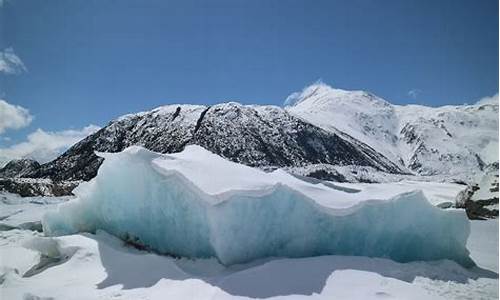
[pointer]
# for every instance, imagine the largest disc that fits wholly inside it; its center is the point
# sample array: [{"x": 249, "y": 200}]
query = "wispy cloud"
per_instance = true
[
  {"x": 13, "y": 116},
  {"x": 40, "y": 145},
  {"x": 414, "y": 93},
  {"x": 307, "y": 91},
  {"x": 44, "y": 146},
  {"x": 2, "y": 2},
  {"x": 488, "y": 100},
  {"x": 10, "y": 63}
]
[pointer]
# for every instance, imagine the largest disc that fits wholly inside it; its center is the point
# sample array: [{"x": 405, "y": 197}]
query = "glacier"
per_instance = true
[{"x": 196, "y": 204}]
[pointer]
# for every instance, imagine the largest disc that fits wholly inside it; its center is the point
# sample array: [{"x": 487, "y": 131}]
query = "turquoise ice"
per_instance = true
[{"x": 196, "y": 204}]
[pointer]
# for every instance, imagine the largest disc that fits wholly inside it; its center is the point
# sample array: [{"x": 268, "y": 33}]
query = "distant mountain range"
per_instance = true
[{"x": 322, "y": 132}]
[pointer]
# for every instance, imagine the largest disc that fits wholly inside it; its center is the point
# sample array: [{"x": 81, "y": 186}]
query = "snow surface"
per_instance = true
[
  {"x": 102, "y": 267},
  {"x": 21, "y": 211},
  {"x": 484, "y": 235},
  {"x": 196, "y": 204}
]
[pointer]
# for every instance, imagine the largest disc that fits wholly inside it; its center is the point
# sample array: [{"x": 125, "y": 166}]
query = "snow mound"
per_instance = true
[{"x": 196, "y": 204}]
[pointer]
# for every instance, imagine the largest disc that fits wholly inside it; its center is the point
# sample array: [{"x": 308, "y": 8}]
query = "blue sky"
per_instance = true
[{"x": 90, "y": 61}]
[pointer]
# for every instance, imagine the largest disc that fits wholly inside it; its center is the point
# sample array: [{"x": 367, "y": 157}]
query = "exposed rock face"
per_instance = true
[
  {"x": 11, "y": 180},
  {"x": 481, "y": 200},
  {"x": 258, "y": 136},
  {"x": 27, "y": 187},
  {"x": 19, "y": 168}
]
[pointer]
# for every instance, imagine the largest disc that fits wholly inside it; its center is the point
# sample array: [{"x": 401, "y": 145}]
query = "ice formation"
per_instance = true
[{"x": 196, "y": 204}]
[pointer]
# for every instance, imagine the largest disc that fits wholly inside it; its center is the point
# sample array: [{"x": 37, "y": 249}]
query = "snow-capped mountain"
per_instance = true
[
  {"x": 322, "y": 132},
  {"x": 259, "y": 136},
  {"x": 455, "y": 141}
]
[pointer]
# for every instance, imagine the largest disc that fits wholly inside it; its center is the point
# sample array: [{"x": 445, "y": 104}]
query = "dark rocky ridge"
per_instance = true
[
  {"x": 19, "y": 168},
  {"x": 258, "y": 136},
  {"x": 28, "y": 187},
  {"x": 479, "y": 204}
]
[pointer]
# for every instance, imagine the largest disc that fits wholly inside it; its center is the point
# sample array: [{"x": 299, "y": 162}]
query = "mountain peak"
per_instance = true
[{"x": 322, "y": 93}]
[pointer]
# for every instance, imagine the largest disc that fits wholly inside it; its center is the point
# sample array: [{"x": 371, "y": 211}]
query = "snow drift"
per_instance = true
[{"x": 196, "y": 204}]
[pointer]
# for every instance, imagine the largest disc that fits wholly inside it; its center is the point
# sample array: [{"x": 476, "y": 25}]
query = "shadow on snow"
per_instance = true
[{"x": 132, "y": 268}]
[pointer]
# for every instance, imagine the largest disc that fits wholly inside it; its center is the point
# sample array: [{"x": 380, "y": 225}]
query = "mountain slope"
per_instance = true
[
  {"x": 453, "y": 141},
  {"x": 258, "y": 136},
  {"x": 359, "y": 114}
]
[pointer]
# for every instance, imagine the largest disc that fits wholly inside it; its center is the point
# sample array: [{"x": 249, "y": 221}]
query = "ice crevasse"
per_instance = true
[{"x": 197, "y": 204}]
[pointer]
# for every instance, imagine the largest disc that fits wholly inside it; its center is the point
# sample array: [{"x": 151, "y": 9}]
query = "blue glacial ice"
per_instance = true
[{"x": 196, "y": 204}]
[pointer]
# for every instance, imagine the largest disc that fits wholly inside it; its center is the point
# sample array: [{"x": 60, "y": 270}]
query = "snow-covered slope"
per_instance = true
[
  {"x": 197, "y": 204},
  {"x": 448, "y": 140},
  {"x": 361, "y": 115}
]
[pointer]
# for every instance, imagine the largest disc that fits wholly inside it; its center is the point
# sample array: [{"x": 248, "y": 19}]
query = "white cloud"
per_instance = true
[
  {"x": 488, "y": 100},
  {"x": 44, "y": 146},
  {"x": 292, "y": 99},
  {"x": 10, "y": 63},
  {"x": 40, "y": 145},
  {"x": 13, "y": 116},
  {"x": 414, "y": 93}
]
